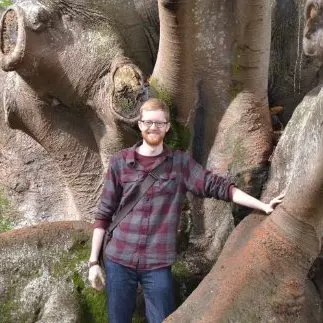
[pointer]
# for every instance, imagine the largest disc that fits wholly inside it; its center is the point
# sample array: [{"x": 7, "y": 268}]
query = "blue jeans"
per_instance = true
[{"x": 121, "y": 286}]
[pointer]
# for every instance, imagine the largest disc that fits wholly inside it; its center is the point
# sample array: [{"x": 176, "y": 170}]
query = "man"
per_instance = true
[{"x": 142, "y": 248}]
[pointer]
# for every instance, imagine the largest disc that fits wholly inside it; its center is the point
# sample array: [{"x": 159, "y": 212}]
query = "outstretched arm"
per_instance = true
[{"x": 245, "y": 199}]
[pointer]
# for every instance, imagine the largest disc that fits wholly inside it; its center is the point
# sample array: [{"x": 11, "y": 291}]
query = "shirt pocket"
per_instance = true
[
  {"x": 167, "y": 183},
  {"x": 129, "y": 182}
]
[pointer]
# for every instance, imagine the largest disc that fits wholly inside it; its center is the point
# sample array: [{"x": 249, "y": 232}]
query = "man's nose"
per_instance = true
[{"x": 153, "y": 126}]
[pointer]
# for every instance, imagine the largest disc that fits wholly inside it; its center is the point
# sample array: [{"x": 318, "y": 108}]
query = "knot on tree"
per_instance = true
[
  {"x": 12, "y": 38},
  {"x": 129, "y": 90}
]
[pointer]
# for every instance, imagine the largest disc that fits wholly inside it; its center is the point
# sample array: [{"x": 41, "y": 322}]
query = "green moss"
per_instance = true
[
  {"x": 235, "y": 89},
  {"x": 179, "y": 136},
  {"x": 126, "y": 104},
  {"x": 236, "y": 85},
  {"x": 7, "y": 306},
  {"x": 180, "y": 270},
  {"x": 93, "y": 303},
  {"x": 69, "y": 261},
  {"x": 10, "y": 304},
  {"x": 5, "y": 225},
  {"x": 5, "y": 3},
  {"x": 238, "y": 151},
  {"x": 235, "y": 62},
  {"x": 184, "y": 281},
  {"x": 5, "y": 210}
]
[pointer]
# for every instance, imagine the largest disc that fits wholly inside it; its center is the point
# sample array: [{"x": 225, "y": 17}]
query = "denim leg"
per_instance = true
[
  {"x": 157, "y": 285},
  {"x": 121, "y": 287}
]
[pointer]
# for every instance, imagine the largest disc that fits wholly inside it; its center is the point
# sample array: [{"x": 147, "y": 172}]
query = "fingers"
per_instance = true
[
  {"x": 96, "y": 277},
  {"x": 98, "y": 285},
  {"x": 102, "y": 277},
  {"x": 281, "y": 196},
  {"x": 102, "y": 280},
  {"x": 269, "y": 209},
  {"x": 278, "y": 199},
  {"x": 275, "y": 201}
]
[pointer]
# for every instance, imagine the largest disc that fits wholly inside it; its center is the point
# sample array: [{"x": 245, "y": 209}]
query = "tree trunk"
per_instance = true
[
  {"x": 233, "y": 134},
  {"x": 261, "y": 274},
  {"x": 79, "y": 82},
  {"x": 173, "y": 71}
]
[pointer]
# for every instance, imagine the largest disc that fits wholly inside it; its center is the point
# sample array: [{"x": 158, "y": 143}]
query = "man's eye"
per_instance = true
[
  {"x": 159, "y": 124},
  {"x": 147, "y": 123}
]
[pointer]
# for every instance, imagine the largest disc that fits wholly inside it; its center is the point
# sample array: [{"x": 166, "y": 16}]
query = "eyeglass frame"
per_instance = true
[{"x": 158, "y": 124}]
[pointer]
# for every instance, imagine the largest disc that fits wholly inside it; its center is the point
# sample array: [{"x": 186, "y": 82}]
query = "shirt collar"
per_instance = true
[{"x": 130, "y": 158}]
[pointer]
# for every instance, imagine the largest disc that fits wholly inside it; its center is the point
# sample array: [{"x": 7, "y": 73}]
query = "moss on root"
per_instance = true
[
  {"x": 92, "y": 302},
  {"x": 236, "y": 85},
  {"x": 185, "y": 281},
  {"x": 5, "y": 211},
  {"x": 10, "y": 304},
  {"x": 7, "y": 306},
  {"x": 179, "y": 136}
]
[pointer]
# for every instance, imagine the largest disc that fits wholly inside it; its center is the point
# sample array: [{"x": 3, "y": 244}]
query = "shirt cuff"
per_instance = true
[
  {"x": 230, "y": 191},
  {"x": 104, "y": 224}
]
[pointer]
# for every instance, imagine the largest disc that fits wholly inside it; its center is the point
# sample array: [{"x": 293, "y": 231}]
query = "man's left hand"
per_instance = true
[{"x": 273, "y": 203}]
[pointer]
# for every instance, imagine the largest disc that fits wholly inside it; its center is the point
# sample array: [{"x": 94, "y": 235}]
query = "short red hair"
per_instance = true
[{"x": 154, "y": 104}]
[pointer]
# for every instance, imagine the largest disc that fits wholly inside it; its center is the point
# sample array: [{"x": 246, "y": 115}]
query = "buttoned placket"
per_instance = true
[
  {"x": 139, "y": 256},
  {"x": 144, "y": 226}
]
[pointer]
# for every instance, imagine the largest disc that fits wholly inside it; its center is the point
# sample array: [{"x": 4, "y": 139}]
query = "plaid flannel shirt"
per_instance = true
[{"x": 146, "y": 237}]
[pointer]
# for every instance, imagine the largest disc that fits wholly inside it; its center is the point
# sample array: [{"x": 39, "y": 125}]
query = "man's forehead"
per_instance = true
[{"x": 154, "y": 115}]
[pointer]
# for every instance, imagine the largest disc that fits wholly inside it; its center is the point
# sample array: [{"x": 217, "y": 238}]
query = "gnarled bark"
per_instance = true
[
  {"x": 78, "y": 83},
  {"x": 213, "y": 66},
  {"x": 261, "y": 274}
]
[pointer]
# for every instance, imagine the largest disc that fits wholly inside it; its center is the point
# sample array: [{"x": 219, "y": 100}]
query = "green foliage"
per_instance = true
[{"x": 5, "y": 3}]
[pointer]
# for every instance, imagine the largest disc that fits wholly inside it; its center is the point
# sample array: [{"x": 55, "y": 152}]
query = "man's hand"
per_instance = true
[
  {"x": 273, "y": 203},
  {"x": 96, "y": 277}
]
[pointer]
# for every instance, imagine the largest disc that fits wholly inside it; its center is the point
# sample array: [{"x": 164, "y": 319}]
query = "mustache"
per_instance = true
[{"x": 155, "y": 132}]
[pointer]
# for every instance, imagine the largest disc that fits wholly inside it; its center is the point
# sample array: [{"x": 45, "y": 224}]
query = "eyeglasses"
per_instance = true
[{"x": 158, "y": 124}]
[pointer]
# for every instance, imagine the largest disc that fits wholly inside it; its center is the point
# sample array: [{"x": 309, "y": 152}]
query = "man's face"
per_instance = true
[{"x": 153, "y": 126}]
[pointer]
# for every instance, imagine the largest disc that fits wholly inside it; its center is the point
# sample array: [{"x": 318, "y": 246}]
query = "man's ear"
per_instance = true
[
  {"x": 167, "y": 126},
  {"x": 139, "y": 125}
]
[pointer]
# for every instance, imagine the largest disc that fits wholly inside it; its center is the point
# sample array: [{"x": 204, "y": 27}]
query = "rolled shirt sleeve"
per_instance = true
[
  {"x": 205, "y": 183},
  {"x": 110, "y": 197}
]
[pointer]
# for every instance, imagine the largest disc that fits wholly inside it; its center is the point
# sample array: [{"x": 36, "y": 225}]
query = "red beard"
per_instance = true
[{"x": 153, "y": 138}]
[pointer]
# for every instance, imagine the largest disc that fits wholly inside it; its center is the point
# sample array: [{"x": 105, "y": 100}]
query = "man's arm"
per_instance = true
[
  {"x": 109, "y": 202},
  {"x": 245, "y": 199},
  {"x": 204, "y": 183},
  {"x": 95, "y": 272},
  {"x": 97, "y": 240}
]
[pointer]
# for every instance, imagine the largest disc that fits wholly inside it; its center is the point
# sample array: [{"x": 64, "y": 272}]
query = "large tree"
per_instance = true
[{"x": 77, "y": 75}]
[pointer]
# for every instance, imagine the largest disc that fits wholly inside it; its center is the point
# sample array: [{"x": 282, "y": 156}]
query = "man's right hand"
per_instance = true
[{"x": 96, "y": 277}]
